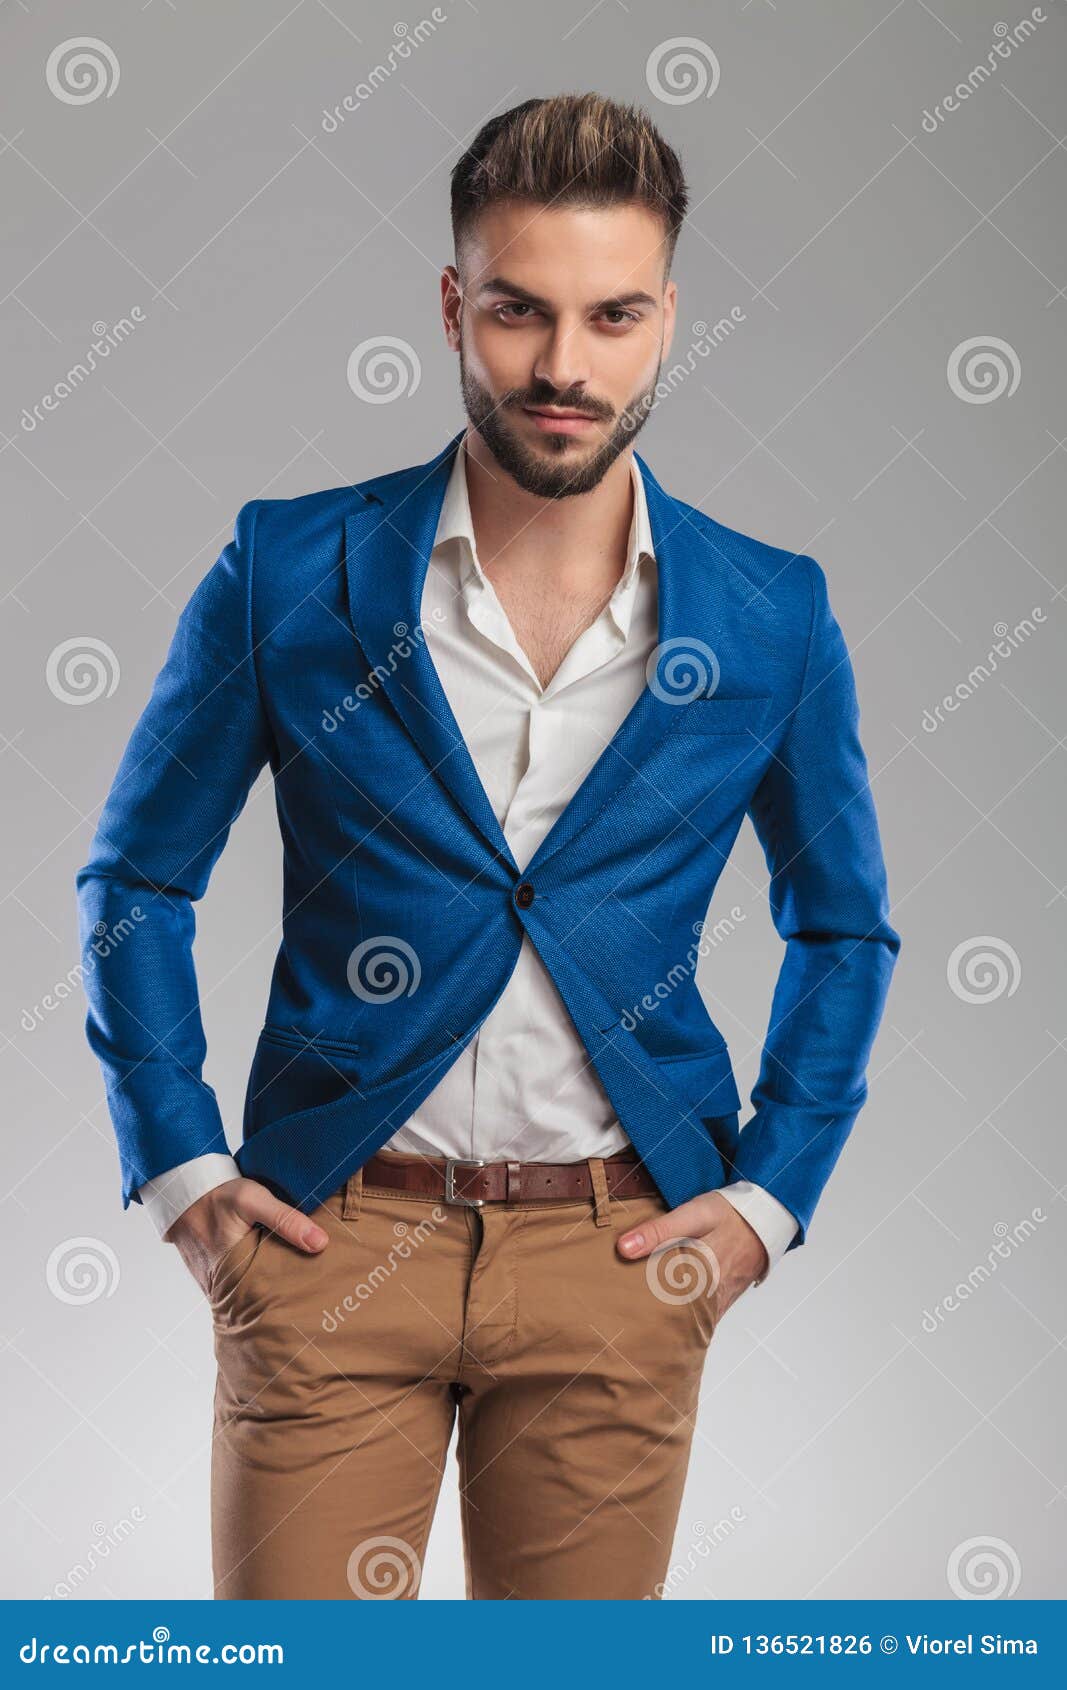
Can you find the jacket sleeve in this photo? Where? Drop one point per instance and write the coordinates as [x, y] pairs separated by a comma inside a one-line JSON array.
[[184, 777], [815, 819]]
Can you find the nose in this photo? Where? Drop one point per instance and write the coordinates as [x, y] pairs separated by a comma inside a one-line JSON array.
[[560, 361]]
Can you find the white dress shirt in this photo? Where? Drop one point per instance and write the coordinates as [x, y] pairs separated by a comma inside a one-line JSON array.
[[523, 1088]]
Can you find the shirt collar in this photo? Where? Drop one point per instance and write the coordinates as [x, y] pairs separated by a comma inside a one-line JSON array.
[[455, 523]]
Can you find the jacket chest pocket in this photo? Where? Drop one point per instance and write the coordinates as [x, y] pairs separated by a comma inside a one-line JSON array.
[[716, 715]]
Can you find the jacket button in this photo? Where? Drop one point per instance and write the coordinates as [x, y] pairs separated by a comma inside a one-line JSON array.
[[524, 895]]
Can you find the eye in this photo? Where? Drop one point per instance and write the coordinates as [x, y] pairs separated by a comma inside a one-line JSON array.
[[514, 305], [620, 316]]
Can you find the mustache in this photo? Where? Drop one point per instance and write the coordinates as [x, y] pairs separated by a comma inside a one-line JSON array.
[[598, 409]]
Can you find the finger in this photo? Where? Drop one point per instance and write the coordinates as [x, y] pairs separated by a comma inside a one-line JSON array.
[[689, 1220], [258, 1204]]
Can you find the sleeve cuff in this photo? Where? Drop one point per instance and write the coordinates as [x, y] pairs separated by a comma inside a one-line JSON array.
[[774, 1224], [170, 1194]]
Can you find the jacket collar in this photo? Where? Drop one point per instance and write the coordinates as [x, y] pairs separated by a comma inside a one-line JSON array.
[[457, 523], [388, 541]]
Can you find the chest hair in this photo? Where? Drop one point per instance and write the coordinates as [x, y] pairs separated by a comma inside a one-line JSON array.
[[545, 621]]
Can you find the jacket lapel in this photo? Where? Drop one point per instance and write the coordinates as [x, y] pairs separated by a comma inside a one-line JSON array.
[[388, 542], [691, 612]]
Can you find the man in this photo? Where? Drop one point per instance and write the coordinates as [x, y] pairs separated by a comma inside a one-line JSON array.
[[516, 702]]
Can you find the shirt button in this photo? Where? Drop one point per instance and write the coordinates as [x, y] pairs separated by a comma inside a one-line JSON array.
[[524, 895]]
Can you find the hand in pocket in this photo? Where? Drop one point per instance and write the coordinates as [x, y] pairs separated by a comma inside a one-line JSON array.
[[213, 1227]]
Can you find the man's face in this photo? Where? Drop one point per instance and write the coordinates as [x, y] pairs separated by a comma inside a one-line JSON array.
[[561, 320]]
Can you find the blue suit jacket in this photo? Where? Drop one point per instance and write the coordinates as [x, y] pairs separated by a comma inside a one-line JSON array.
[[301, 647]]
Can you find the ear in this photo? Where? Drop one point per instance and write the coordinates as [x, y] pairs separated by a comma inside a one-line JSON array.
[[670, 303], [451, 304]]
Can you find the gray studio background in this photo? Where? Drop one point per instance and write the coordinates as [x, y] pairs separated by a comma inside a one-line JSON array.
[[884, 1417]]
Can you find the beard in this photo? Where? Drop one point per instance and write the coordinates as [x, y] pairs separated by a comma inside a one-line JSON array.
[[557, 476]]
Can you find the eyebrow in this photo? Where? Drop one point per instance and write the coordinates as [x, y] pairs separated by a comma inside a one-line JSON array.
[[618, 301]]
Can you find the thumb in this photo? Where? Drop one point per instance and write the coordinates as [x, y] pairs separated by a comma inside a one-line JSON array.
[[259, 1204], [689, 1220]]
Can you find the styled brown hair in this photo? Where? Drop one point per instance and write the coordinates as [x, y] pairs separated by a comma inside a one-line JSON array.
[[570, 149]]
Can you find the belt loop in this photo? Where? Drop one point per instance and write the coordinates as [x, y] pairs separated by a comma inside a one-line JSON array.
[[514, 1189], [353, 1195], [600, 1190]]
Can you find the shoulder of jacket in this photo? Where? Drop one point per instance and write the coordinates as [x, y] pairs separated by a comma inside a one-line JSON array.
[[789, 580], [291, 539], [327, 503]]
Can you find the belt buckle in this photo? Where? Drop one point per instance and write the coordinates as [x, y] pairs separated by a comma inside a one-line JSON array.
[[451, 1194]]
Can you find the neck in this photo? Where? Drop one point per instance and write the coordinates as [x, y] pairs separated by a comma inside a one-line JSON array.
[[573, 543]]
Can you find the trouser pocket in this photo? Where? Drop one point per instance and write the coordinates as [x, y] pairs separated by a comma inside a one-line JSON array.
[[233, 1267]]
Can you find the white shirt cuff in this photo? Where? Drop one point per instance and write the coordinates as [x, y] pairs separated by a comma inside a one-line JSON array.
[[770, 1220], [170, 1194]]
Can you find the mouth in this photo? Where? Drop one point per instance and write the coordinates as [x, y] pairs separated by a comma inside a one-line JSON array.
[[551, 420]]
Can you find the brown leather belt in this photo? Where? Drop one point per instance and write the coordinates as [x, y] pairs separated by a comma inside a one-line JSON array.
[[465, 1180]]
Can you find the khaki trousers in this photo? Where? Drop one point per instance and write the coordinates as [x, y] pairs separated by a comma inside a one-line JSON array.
[[574, 1373]]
